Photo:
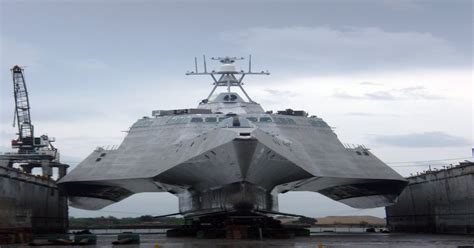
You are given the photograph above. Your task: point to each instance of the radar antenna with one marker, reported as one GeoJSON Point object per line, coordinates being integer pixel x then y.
{"type": "Point", "coordinates": [228, 75]}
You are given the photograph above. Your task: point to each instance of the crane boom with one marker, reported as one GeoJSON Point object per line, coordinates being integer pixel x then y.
{"type": "Point", "coordinates": [32, 152]}
{"type": "Point", "coordinates": [25, 139]}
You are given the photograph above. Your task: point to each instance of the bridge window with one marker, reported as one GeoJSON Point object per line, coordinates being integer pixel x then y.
{"type": "Point", "coordinates": [211, 119]}
{"type": "Point", "coordinates": [196, 120]}
{"type": "Point", "coordinates": [265, 119]}
{"type": "Point", "coordinates": [252, 119]}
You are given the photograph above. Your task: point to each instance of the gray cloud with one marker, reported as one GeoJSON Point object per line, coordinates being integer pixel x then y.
{"type": "Point", "coordinates": [417, 92]}
{"type": "Point", "coordinates": [370, 83]}
{"type": "Point", "coordinates": [281, 93]}
{"type": "Point", "coordinates": [349, 48]}
{"type": "Point", "coordinates": [380, 95]}
{"type": "Point", "coordinates": [366, 114]}
{"type": "Point", "coordinates": [71, 160]}
{"type": "Point", "coordinates": [426, 139]}
{"type": "Point", "coordinates": [72, 114]}
{"type": "Point", "coordinates": [90, 64]}
{"type": "Point", "coordinates": [409, 93]}
{"type": "Point", "coordinates": [18, 52]}
{"type": "Point", "coordinates": [344, 95]}
{"type": "Point", "coordinates": [275, 97]}
{"type": "Point", "coordinates": [5, 149]}
{"type": "Point", "coordinates": [404, 4]}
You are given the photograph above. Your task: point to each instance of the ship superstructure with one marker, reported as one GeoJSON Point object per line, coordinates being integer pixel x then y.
{"type": "Point", "coordinates": [229, 155]}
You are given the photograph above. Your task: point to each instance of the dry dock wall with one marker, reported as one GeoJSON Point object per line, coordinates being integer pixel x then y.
{"type": "Point", "coordinates": [436, 202]}
{"type": "Point", "coordinates": [31, 203]}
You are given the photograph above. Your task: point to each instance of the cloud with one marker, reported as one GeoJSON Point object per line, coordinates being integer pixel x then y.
{"type": "Point", "coordinates": [348, 48]}
{"type": "Point", "coordinates": [26, 54]}
{"type": "Point", "coordinates": [426, 139]}
{"type": "Point", "coordinates": [91, 65]}
{"type": "Point", "coordinates": [366, 114]}
{"type": "Point", "coordinates": [409, 93]}
{"type": "Point", "coordinates": [281, 93]}
{"type": "Point", "coordinates": [274, 97]}
{"type": "Point", "coordinates": [17, 52]}
{"type": "Point", "coordinates": [404, 4]}
{"type": "Point", "coordinates": [370, 84]}
{"type": "Point", "coordinates": [4, 149]}
{"type": "Point", "coordinates": [380, 95]}
{"type": "Point", "coordinates": [361, 114]}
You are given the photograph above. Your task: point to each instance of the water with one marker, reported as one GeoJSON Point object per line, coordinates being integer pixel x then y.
{"type": "Point", "coordinates": [327, 240]}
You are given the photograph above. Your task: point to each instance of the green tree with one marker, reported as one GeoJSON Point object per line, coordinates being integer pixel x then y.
{"type": "Point", "coordinates": [146, 218]}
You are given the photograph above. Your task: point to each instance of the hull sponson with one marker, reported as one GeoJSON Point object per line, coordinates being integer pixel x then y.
{"type": "Point", "coordinates": [216, 167]}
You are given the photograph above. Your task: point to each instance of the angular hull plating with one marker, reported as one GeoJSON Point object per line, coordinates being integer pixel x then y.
{"type": "Point", "coordinates": [233, 168]}
{"type": "Point", "coordinates": [230, 155]}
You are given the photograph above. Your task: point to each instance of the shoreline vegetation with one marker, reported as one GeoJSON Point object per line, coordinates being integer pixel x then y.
{"type": "Point", "coordinates": [147, 221]}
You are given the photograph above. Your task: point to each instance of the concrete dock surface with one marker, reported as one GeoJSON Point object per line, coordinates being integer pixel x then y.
{"type": "Point", "coordinates": [327, 240]}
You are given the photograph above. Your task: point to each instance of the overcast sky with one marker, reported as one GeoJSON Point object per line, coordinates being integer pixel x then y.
{"type": "Point", "coordinates": [393, 75]}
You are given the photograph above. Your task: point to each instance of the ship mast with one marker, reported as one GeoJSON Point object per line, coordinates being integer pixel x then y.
{"type": "Point", "coordinates": [227, 74]}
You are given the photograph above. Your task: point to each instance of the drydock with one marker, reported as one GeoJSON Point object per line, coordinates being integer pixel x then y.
{"type": "Point", "coordinates": [436, 202]}
{"type": "Point", "coordinates": [30, 204]}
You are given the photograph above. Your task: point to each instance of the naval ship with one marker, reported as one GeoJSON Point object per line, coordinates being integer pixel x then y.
{"type": "Point", "coordinates": [230, 155]}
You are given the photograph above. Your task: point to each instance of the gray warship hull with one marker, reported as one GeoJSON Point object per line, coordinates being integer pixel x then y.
{"type": "Point", "coordinates": [230, 155]}
{"type": "Point", "coordinates": [221, 169]}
